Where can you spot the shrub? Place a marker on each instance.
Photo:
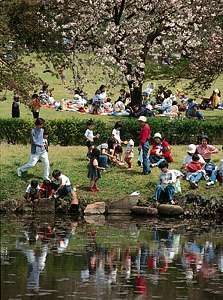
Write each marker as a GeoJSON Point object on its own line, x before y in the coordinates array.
{"type": "Point", "coordinates": [71, 131]}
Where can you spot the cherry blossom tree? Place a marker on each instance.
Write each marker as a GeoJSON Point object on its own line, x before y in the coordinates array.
{"type": "Point", "coordinates": [123, 34]}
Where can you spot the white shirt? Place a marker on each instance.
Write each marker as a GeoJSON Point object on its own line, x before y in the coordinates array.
{"type": "Point", "coordinates": [64, 180]}
{"type": "Point", "coordinates": [116, 134]}
{"type": "Point", "coordinates": [170, 177]}
{"type": "Point", "coordinates": [28, 190]}
{"type": "Point", "coordinates": [89, 135]}
{"type": "Point", "coordinates": [130, 148]}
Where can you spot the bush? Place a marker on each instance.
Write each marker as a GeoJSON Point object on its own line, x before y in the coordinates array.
{"type": "Point", "coordinates": [71, 131]}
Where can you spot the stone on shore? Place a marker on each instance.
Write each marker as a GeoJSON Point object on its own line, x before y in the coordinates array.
{"type": "Point", "coordinates": [97, 208]}
{"type": "Point", "coordinates": [146, 211]}
{"type": "Point", "coordinates": [123, 206]}
{"type": "Point", "coordinates": [170, 210]}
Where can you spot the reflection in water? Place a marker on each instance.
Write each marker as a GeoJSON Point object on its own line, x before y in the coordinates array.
{"type": "Point", "coordinates": [64, 258]}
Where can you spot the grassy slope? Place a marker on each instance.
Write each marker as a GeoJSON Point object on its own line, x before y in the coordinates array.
{"type": "Point", "coordinates": [72, 161]}
{"type": "Point", "coordinates": [94, 74]}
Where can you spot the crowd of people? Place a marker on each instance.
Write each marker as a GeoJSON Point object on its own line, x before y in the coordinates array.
{"type": "Point", "coordinates": [158, 101]}
{"type": "Point", "coordinates": [153, 152]}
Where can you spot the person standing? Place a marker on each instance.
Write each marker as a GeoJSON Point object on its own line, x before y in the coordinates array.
{"type": "Point", "coordinates": [15, 107]}
{"type": "Point", "coordinates": [144, 143]}
{"type": "Point", "coordinates": [38, 150]}
{"type": "Point", "coordinates": [35, 106]}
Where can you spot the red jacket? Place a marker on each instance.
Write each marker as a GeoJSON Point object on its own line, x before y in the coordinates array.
{"type": "Point", "coordinates": [165, 150]}
{"type": "Point", "coordinates": [193, 166]}
{"type": "Point", "coordinates": [144, 134]}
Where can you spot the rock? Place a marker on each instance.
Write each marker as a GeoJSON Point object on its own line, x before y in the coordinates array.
{"type": "Point", "coordinates": [170, 210]}
{"type": "Point", "coordinates": [142, 210]}
{"type": "Point", "coordinates": [123, 206]}
{"type": "Point", "coordinates": [94, 219]}
{"type": "Point", "coordinates": [97, 208]}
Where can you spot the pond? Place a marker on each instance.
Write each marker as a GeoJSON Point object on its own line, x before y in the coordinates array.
{"type": "Point", "coordinates": [48, 257]}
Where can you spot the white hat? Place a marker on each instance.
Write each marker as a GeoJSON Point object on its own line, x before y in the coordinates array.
{"type": "Point", "coordinates": [157, 135]}
{"type": "Point", "coordinates": [191, 148]}
{"type": "Point", "coordinates": [142, 118]}
{"type": "Point", "coordinates": [216, 91]}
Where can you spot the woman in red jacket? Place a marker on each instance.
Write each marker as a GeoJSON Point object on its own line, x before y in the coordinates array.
{"type": "Point", "coordinates": [160, 151]}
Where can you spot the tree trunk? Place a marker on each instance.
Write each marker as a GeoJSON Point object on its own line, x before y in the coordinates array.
{"type": "Point", "coordinates": [136, 94]}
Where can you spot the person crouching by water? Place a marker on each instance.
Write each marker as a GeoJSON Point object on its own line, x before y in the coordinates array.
{"type": "Point", "coordinates": [94, 170]}
{"type": "Point", "coordinates": [168, 184]}
{"type": "Point", "coordinates": [33, 191]}
{"type": "Point", "coordinates": [62, 187]}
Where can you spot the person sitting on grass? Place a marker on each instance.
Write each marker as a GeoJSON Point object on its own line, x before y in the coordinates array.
{"type": "Point", "coordinates": [160, 151]}
{"type": "Point", "coordinates": [94, 170]}
{"type": "Point", "coordinates": [205, 149]}
{"type": "Point", "coordinates": [33, 191]}
{"type": "Point", "coordinates": [62, 187]}
{"type": "Point", "coordinates": [193, 110]}
{"type": "Point", "coordinates": [168, 184]}
{"type": "Point", "coordinates": [191, 150]}
{"type": "Point", "coordinates": [194, 171]}
{"type": "Point", "coordinates": [220, 172]}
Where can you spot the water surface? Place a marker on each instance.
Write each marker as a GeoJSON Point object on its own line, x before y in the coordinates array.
{"type": "Point", "coordinates": [44, 257]}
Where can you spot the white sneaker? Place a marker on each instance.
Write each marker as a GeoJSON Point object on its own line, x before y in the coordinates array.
{"type": "Point", "coordinates": [19, 172]}
{"type": "Point", "coordinates": [193, 184]}
{"type": "Point", "coordinates": [210, 183]}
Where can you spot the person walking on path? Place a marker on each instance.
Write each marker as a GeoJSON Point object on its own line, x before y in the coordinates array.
{"type": "Point", "coordinates": [144, 143]}
{"type": "Point", "coordinates": [38, 150]}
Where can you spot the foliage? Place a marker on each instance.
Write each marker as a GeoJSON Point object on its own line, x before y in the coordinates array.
{"type": "Point", "coordinates": [71, 131]}
{"type": "Point", "coordinates": [123, 35]}
{"type": "Point", "coordinates": [15, 74]}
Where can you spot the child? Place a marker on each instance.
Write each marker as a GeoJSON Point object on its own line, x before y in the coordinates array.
{"type": "Point", "coordinates": [62, 187]}
{"type": "Point", "coordinates": [45, 140]}
{"type": "Point", "coordinates": [94, 170]}
{"type": "Point", "coordinates": [194, 171]}
{"type": "Point", "coordinates": [166, 187]}
{"type": "Point", "coordinates": [191, 150]}
{"type": "Point", "coordinates": [129, 153]}
{"type": "Point", "coordinates": [38, 151]}
{"type": "Point", "coordinates": [33, 191]}
{"type": "Point", "coordinates": [46, 189]}
{"type": "Point", "coordinates": [89, 135]}
{"type": "Point", "coordinates": [35, 106]}
{"type": "Point", "coordinates": [15, 107]}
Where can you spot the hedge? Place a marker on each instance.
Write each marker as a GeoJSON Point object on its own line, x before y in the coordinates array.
{"type": "Point", "coordinates": [71, 131]}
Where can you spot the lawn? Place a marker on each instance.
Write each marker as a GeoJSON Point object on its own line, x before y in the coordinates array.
{"type": "Point", "coordinates": [95, 79]}
{"type": "Point", "coordinates": [114, 184]}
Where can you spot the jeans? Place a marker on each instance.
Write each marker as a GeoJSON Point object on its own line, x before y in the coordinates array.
{"type": "Point", "coordinates": [156, 160]}
{"type": "Point", "coordinates": [196, 177]}
{"type": "Point", "coordinates": [145, 158]}
{"type": "Point", "coordinates": [164, 194]}
{"type": "Point", "coordinates": [213, 176]}
{"type": "Point", "coordinates": [33, 161]}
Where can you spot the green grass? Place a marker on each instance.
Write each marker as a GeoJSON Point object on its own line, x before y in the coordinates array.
{"type": "Point", "coordinates": [95, 78]}
{"type": "Point", "coordinates": [72, 161]}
